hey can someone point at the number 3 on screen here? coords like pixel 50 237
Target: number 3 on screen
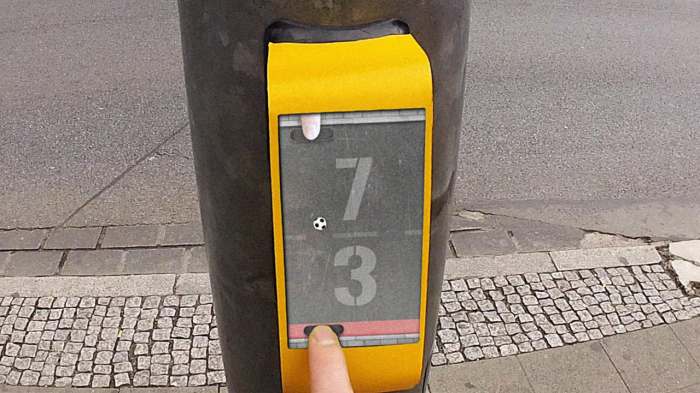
pixel 361 274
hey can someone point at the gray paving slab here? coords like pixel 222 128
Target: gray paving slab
pixel 21 239
pixel 652 360
pixel 4 259
pixel 689 250
pixel 138 285
pixel 488 376
pixel 489 266
pixel 687 273
pixel 73 238
pixel 155 260
pixel 471 221
pixel 33 263
pixel 542 237
pixel 688 332
pixel 197 260
pixel 183 234
pixel 576 368
pixel 131 236
pixel 489 242
pixel 604 240
pixel 193 283
pixel 532 236
pixel 604 257
pixel 94 263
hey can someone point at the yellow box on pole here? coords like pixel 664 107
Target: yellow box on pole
pixel 363 91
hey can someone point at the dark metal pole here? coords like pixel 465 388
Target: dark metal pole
pixel 224 57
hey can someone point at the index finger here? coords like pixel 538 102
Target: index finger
pixel 329 373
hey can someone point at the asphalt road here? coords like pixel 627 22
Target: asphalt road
pixel 581 113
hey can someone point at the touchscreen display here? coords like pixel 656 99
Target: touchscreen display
pixel 352 214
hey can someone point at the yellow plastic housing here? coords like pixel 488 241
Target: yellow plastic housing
pixel 385 73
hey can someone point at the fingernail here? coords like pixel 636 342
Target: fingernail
pixel 324 336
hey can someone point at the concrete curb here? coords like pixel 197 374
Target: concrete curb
pixel 103 262
pixel 106 286
pixel 545 262
pixel 131 236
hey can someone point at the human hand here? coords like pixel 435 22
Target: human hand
pixel 329 373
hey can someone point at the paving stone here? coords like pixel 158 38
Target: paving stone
pixel 687 333
pixel 182 234
pixel 193 283
pixel 216 377
pixel 33 263
pixel 578 368
pixel 158 380
pixel 82 379
pixel 652 360
pixel 142 378
pixel 178 381
pixel 20 239
pixel 105 286
pixel 688 250
pixel 605 257
pixel 489 266
pixel 508 349
pixel 101 381
pixel 438 359
pixel 94 263
pixel 143 362
pixel 688 275
pixel 497 375
pixel 29 378
pixel 73 238
pixel 532 236
pixel 159 369
pixel 197 380
pixel 161 334
pixel 150 261
pixel 130 236
pixel 471 243
pixel 121 379
pixel 4 260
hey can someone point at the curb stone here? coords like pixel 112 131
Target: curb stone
pixel 127 285
pixel 22 239
pixel 688 250
pixel 131 236
pixel 488 266
pixel 104 262
pixel 605 257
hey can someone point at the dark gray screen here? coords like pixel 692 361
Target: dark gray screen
pixel 352 205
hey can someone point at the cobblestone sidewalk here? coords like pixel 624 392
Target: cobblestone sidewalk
pixel 102 342
pixel 173 340
pixel 507 315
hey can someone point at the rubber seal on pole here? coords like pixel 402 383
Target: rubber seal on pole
pixel 289 31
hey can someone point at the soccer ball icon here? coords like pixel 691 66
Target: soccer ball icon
pixel 320 224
